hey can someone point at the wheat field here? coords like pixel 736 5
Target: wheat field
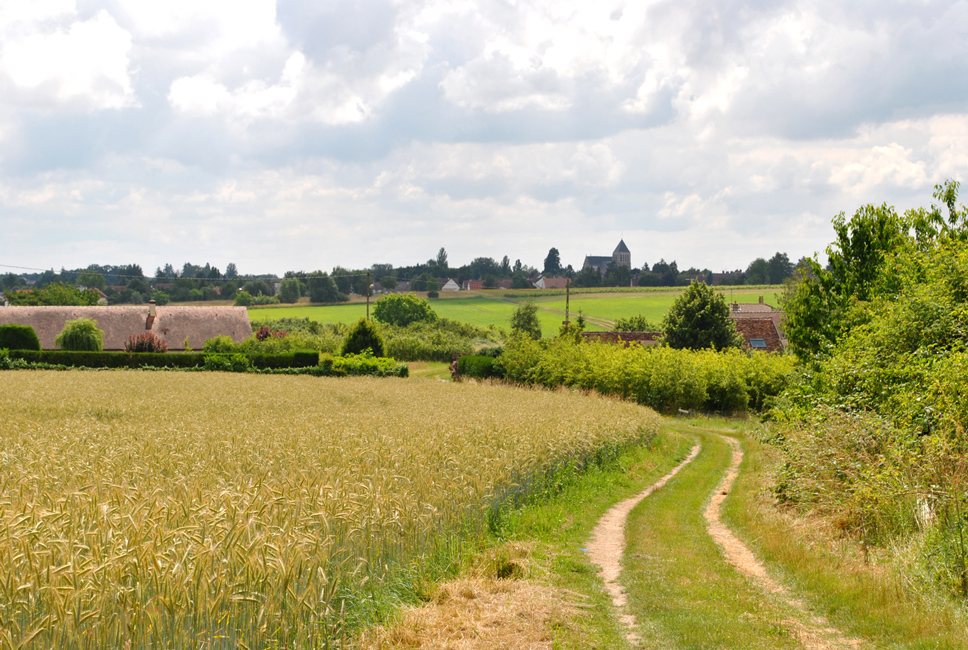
pixel 210 510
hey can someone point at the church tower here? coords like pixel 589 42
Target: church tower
pixel 621 255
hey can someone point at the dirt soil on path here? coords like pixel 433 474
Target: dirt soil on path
pixel 815 633
pixel 607 545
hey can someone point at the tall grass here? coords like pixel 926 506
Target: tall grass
pixel 198 511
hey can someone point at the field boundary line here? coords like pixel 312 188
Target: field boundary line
pixel 607 545
pixel 816 633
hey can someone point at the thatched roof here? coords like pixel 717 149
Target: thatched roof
pixel 174 324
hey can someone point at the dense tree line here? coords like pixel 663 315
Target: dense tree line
pixel 128 284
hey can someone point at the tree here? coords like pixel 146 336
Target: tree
pixel 388 282
pixel 821 306
pixel 402 309
pixel 517 266
pixel 56 294
pixel 758 272
pixel 588 277
pixel 505 266
pixel 520 281
pixel 361 337
pixel 231 271
pixel 441 259
pixel 617 276
pixel 637 323
pixel 524 320
pixel 552 263
pixel 81 335
pixel 139 285
pixel 490 282
pixel 699 319
pixel 289 290
pixel 92 280
pixel 323 289
pixel 780 268
pixel 243 298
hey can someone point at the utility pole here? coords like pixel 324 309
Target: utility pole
pixel 567 298
pixel 368 295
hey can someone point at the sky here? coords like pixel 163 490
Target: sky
pixel 296 135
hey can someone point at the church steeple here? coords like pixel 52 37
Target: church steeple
pixel 621 255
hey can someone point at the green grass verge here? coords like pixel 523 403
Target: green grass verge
pixel 562 525
pixel 430 370
pixel 680 589
pixel 488 308
pixel 862 598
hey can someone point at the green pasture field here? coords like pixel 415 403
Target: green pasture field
pixel 486 308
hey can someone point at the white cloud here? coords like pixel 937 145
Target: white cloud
pixel 85 63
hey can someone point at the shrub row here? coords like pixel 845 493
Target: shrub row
pixel 160 360
pixel 659 377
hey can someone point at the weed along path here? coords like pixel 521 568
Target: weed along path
pixel 813 631
pixel 608 544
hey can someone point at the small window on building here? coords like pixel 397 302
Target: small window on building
pixel 758 344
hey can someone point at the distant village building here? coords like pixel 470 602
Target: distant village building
pixel 620 257
pixel 760 325
pixel 550 283
pixel 174 324
pixel 448 284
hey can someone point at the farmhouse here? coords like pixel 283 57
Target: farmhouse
pixel 620 257
pixel 174 324
pixel 551 283
pixel 448 284
pixel 760 324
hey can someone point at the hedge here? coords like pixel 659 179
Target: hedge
pixel 18 337
pixel 478 366
pixel 155 359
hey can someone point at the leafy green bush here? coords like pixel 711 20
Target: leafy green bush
pixel 478 367
pixel 638 323
pixel 264 300
pixel 243 299
pixel 220 344
pixel 660 377
pixel 19 337
pixel 368 364
pixel 363 336
pixel 699 319
pixel 9 363
pixel 401 309
pixel 81 335
pixel 303 358
pixel 524 320
pixel 227 362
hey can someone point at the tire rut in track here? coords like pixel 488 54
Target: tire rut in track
pixel 607 545
pixel 816 633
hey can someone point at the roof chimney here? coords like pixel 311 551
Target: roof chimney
pixel 735 306
pixel 761 300
pixel 151 314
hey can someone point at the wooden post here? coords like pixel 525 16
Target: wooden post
pixel 567 298
pixel 367 295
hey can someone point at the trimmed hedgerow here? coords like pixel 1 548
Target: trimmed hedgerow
pixel 478 366
pixel 19 337
pixel 305 358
